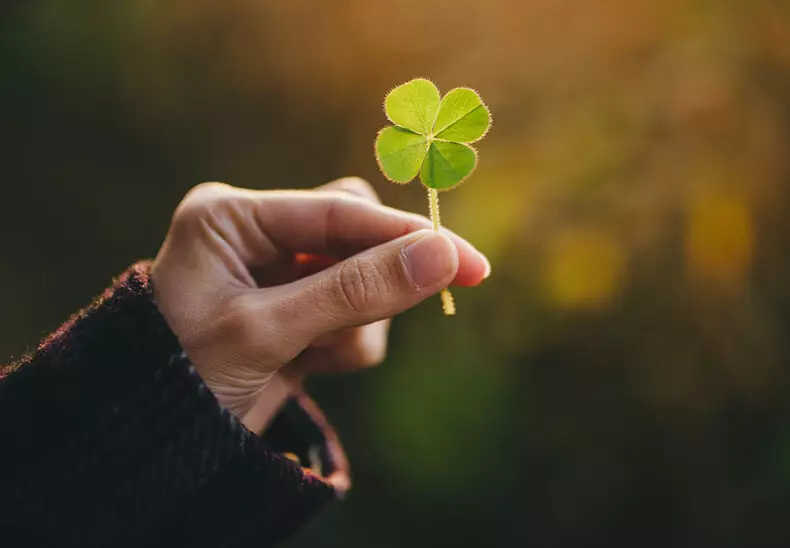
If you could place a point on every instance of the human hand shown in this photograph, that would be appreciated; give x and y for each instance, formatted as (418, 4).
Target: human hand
(263, 287)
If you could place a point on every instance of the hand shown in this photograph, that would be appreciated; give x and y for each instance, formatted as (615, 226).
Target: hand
(262, 287)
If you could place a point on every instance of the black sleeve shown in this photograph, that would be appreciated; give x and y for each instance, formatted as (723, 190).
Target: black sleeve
(108, 437)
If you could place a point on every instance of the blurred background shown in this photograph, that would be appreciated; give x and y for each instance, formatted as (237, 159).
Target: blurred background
(622, 377)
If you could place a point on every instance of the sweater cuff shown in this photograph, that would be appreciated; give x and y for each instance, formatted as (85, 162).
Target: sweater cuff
(119, 442)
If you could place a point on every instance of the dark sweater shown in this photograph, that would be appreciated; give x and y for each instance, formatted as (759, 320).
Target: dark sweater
(108, 437)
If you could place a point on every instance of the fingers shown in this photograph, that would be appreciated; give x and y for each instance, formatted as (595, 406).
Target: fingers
(353, 185)
(352, 348)
(259, 225)
(347, 350)
(371, 286)
(340, 225)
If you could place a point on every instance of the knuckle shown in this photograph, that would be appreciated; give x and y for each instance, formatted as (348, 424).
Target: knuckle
(360, 285)
(209, 187)
(199, 201)
(333, 213)
(206, 193)
(360, 187)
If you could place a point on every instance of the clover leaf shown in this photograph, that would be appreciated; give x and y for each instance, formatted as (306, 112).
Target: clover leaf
(431, 136)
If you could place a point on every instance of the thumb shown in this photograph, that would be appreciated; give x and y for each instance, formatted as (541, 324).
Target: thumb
(376, 284)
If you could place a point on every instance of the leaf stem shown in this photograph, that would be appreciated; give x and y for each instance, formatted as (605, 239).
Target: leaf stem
(433, 198)
(448, 303)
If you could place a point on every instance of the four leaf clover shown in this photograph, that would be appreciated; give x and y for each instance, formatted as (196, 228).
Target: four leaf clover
(431, 136)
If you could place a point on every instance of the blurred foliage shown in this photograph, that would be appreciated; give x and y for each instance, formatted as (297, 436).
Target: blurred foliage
(621, 378)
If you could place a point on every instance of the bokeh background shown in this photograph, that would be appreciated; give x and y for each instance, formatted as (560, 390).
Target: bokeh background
(621, 379)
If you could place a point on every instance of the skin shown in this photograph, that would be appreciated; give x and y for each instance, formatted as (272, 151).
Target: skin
(264, 287)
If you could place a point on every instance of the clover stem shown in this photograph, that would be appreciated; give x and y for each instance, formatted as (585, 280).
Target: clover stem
(433, 199)
(448, 303)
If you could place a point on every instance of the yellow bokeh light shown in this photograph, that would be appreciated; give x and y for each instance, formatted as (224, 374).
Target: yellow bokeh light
(719, 238)
(584, 268)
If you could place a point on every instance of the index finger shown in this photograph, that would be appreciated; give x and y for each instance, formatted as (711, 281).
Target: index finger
(342, 225)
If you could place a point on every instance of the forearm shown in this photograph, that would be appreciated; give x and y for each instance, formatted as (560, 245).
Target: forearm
(110, 438)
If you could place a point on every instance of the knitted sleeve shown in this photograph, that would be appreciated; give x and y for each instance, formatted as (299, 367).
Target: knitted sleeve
(108, 437)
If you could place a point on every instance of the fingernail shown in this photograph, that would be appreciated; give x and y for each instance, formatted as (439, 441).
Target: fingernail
(488, 267)
(429, 259)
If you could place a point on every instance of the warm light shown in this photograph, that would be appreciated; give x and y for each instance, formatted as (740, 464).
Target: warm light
(719, 238)
(584, 268)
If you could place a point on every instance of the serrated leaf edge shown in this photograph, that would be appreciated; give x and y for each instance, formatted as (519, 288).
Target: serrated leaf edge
(456, 185)
(467, 143)
(384, 101)
(381, 167)
(482, 103)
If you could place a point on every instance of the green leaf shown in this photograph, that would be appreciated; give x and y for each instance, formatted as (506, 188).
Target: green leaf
(447, 164)
(413, 105)
(400, 153)
(430, 134)
(462, 117)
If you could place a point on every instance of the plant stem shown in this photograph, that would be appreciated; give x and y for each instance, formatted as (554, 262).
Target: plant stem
(448, 303)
